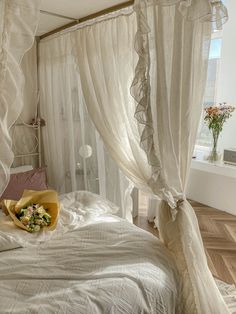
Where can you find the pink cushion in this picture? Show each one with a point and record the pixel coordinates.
(30, 180)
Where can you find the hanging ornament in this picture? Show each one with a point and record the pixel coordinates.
(85, 151)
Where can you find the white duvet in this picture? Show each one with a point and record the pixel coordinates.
(94, 262)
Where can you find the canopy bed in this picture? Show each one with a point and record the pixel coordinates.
(142, 86)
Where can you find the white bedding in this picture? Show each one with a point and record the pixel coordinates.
(94, 262)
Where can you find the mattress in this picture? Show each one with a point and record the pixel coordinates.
(94, 262)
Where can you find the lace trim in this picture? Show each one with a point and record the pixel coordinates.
(213, 11)
(140, 90)
(219, 14)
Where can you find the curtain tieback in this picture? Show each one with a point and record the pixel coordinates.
(174, 211)
(180, 202)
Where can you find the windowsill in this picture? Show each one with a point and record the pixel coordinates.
(211, 183)
(219, 167)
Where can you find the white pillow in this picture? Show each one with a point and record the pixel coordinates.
(21, 169)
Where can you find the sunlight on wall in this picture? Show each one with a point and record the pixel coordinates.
(227, 76)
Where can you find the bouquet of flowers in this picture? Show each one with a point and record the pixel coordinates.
(35, 210)
(215, 117)
(34, 217)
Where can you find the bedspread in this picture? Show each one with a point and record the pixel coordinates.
(99, 263)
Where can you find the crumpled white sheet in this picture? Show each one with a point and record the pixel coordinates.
(77, 209)
(94, 262)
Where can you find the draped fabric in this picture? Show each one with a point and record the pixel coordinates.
(18, 23)
(172, 42)
(106, 65)
(173, 46)
(74, 152)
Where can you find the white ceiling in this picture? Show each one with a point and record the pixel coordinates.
(71, 8)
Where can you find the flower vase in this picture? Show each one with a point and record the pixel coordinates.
(214, 154)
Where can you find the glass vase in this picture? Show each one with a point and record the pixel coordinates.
(214, 154)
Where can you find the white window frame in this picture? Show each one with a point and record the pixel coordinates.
(201, 149)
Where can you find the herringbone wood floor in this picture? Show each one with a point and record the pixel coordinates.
(218, 230)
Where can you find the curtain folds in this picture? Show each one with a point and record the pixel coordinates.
(172, 42)
(168, 78)
(106, 65)
(168, 85)
(213, 11)
(74, 153)
(18, 23)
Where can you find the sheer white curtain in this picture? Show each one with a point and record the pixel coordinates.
(74, 153)
(106, 62)
(168, 86)
(18, 23)
(173, 46)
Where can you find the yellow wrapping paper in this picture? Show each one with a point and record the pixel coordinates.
(47, 198)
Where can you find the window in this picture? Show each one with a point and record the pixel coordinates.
(204, 138)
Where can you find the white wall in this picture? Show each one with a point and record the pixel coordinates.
(227, 76)
(213, 185)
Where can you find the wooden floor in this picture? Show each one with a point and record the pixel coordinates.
(218, 230)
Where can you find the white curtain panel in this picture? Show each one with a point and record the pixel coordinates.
(171, 73)
(113, 184)
(173, 45)
(69, 129)
(106, 62)
(61, 107)
(18, 23)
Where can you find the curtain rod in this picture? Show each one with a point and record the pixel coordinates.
(58, 15)
(89, 17)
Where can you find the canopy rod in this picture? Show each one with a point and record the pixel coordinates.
(58, 15)
(89, 17)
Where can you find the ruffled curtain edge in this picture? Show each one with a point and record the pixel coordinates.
(212, 11)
